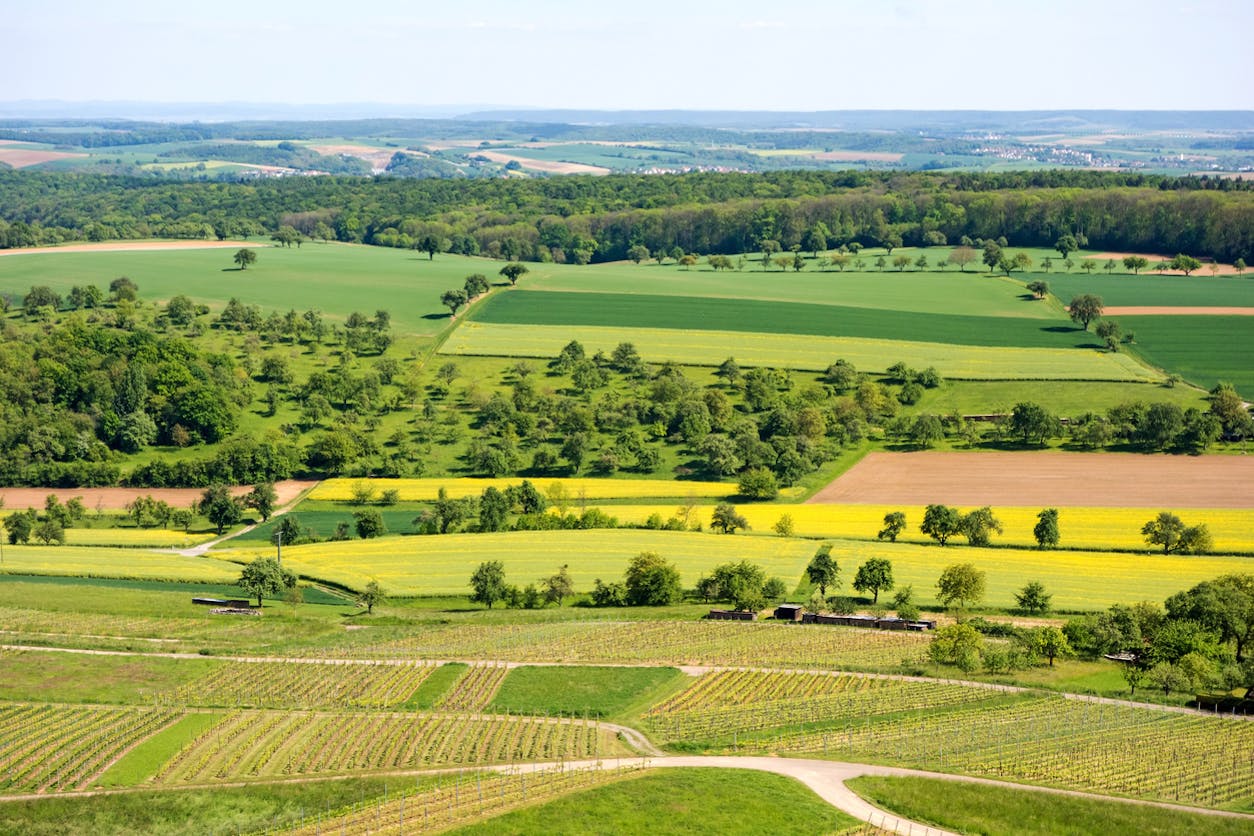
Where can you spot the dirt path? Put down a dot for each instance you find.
(131, 246)
(1167, 310)
(1111, 480)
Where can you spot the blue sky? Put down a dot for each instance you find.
(764, 55)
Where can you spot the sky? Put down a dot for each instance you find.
(639, 54)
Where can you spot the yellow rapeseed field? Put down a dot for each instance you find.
(423, 490)
(137, 564)
(146, 537)
(1080, 527)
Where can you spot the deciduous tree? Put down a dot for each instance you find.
(873, 575)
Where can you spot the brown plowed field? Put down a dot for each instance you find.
(113, 499)
(1154, 310)
(1114, 480)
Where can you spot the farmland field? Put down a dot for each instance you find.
(1107, 479)
(1204, 350)
(113, 563)
(1168, 291)
(795, 351)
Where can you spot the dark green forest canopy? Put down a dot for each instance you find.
(603, 217)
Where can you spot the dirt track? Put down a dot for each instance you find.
(1161, 310)
(1049, 478)
(113, 499)
(131, 246)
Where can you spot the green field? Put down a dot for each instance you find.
(583, 691)
(679, 802)
(794, 351)
(1198, 290)
(626, 310)
(1202, 349)
(974, 808)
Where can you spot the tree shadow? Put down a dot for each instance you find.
(232, 269)
(437, 316)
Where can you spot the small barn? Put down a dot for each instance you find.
(732, 615)
(789, 612)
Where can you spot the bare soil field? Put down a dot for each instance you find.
(377, 157)
(545, 165)
(131, 246)
(1204, 270)
(21, 156)
(1117, 480)
(1155, 310)
(114, 499)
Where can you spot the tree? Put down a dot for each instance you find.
(1170, 532)
(1066, 245)
(742, 584)
(369, 523)
(638, 253)
(180, 310)
(243, 258)
(476, 285)
(1224, 605)
(1135, 263)
(960, 582)
(894, 524)
(901, 262)
(1033, 599)
(558, 586)
(1050, 642)
(265, 577)
(514, 271)
(453, 299)
(823, 570)
(488, 583)
(651, 581)
(262, 499)
(1088, 265)
(1184, 263)
(1108, 331)
(784, 526)
(1033, 423)
(815, 238)
(978, 525)
(962, 256)
(956, 644)
(1239, 266)
(1039, 288)
(41, 296)
(1046, 529)
(493, 510)
(1085, 308)
(220, 508)
(1019, 261)
(20, 524)
(759, 483)
(992, 255)
(371, 596)
(940, 522)
(726, 519)
(874, 575)
(49, 531)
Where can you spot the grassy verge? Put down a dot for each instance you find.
(581, 690)
(678, 801)
(142, 762)
(972, 808)
(72, 677)
(434, 686)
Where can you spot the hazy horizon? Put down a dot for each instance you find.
(790, 55)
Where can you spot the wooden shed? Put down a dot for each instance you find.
(789, 612)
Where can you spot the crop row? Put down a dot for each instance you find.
(474, 689)
(48, 748)
(1069, 743)
(303, 685)
(887, 697)
(666, 642)
(456, 800)
(269, 743)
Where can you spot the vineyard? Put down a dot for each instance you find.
(50, 748)
(259, 744)
(721, 707)
(474, 689)
(1075, 744)
(666, 642)
(303, 685)
(456, 800)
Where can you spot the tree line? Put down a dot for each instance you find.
(602, 219)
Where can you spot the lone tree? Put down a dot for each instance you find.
(1109, 332)
(219, 507)
(651, 581)
(558, 586)
(1039, 288)
(1046, 529)
(940, 522)
(429, 244)
(265, 577)
(874, 575)
(894, 524)
(823, 570)
(453, 299)
(1033, 599)
(960, 582)
(262, 499)
(1170, 532)
(1085, 308)
(727, 519)
(371, 596)
(514, 271)
(488, 583)
(244, 257)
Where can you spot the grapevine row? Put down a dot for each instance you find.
(302, 685)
